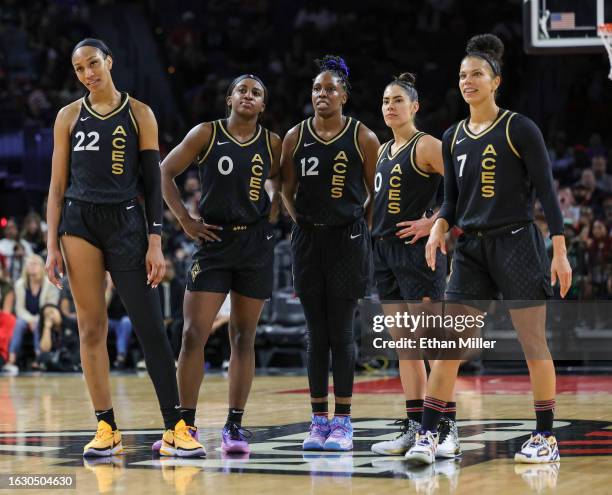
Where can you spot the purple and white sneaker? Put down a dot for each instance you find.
(341, 434)
(193, 431)
(319, 431)
(234, 439)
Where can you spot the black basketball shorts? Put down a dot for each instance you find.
(242, 262)
(511, 266)
(401, 272)
(118, 230)
(335, 261)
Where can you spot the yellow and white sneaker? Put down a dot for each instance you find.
(106, 442)
(180, 442)
(538, 449)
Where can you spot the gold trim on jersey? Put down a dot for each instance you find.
(297, 145)
(112, 113)
(335, 138)
(393, 156)
(508, 136)
(269, 147)
(459, 125)
(134, 121)
(412, 162)
(210, 143)
(247, 143)
(357, 141)
(487, 130)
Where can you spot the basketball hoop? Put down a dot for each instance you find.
(605, 33)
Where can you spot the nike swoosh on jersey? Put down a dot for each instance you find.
(83, 119)
(517, 231)
(308, 144)
(460, 140)
(269, 237)
(355, 236)
(130, 207)
(222, 142)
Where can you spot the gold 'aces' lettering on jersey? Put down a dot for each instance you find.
(487, 175)
(395, 190)
(256, 181)
(338, 178)
(117, 153)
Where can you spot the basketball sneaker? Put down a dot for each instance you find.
(106, 442)
(424, 448)
(448, 443)
(180, 442)
(193, 431)
(319, 431)
(340, 434)
(402, 443)
(541, 447)
(234, 439)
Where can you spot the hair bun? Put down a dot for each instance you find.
(333, 63)
(486, 43)
(407, 77)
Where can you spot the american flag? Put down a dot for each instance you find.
(562, 20)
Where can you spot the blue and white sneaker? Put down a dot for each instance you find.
(319, 431)
(540, 448)
(341, 434)
(424, 449)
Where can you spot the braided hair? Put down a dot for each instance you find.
(337, 66)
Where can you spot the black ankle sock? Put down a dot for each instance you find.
(234, 415)
(188, 415)
(319, 408)
(108, 416)
(432, 412)
(414, 410)
(171, 415)
(545, 414)
(450, 411)
(342, 410)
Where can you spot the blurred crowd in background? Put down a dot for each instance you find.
(201, 47)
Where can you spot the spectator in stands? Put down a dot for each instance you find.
(32, 291)
(118, 323)
(599, 259)
(562, 158)
(586, 192)
(599, 164)
(11, 239)
(32, 233)
(7, 319)
(59, 343)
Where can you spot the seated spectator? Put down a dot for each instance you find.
(599, 259)
(9, 246)
(7, 320)
(59, 342)
(32, 291)
(118, 323)
(586, 192)
(32, 233)
(599, 165)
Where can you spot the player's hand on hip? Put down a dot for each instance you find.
(414, 228)
(156, 265)
(436, 240)
(55, 266)
(561, 270)
(200, 231)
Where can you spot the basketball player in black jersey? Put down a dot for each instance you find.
(495, 163)
(408, 174)
(235, 157)
(103, 144)
(328, 165)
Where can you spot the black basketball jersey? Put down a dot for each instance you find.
(104, 155)
(331, 188)
(493, 186)
(232, 177)
(402, 190)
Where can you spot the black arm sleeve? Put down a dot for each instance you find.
(448, 210)
(529, 142)
(151, 177)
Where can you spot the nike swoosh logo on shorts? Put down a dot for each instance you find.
(129, 207)
(83, 119)
(222, 142)
(269, 237)
(308, 144)
(517, 230)
(460, 140)
(355, 236)
(156, 224)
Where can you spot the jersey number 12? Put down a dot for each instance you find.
(312, 170)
